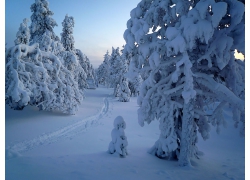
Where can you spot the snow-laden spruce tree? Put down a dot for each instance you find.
(41, 21)
(39, 78)
(83, 74)
(117, 89)
(42, 74)
(104, 71)
(67, 38)
(184, 51)
(96, 77)
(99, 74)
(119, 69)
(124, 91)
(136, 83)
(75, 66)
(90, 70)
(119, 141)
(23, 34)
(115, 62)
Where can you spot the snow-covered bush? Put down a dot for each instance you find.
(124, 93)
(23, 34)
(184, 52)
(119, 141)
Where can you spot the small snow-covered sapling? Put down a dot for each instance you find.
(119, 141)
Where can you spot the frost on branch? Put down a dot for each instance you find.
(119, 141)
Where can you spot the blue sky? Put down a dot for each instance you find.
(99, 24)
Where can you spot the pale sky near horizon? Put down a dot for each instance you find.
(99, 24)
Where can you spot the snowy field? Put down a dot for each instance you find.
(44, 145)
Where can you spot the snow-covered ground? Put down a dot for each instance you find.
(45, 145)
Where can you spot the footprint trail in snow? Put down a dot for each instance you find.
(65, 132)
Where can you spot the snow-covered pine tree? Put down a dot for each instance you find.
(124, 93)
(99, 74)
(23, 34)
(117, 89)
(104, 71)
(115, 64)
(96, 77)
(89, 68)
(38, 78)
(41, 21)
(118, 72)
(91, 77)
(184, 51)
(75, 67)
(119, 141)
(136, 83)
(67, 38)
(83, 75)
(41, 74)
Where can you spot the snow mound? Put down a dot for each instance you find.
(119, 141)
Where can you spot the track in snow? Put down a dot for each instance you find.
(65, 132)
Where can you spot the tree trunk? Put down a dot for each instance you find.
(186, 147)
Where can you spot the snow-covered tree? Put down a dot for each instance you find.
(96, 78)
(39, 78)
(83, 74)
(23, 34)
(41, 21)
(184, 52)
(136, 85)
(119, 141)
(124, 91)
(100, 75)
(44, 74)
(117, 89)
(104, 71)
(118, 71)
(91, 77)
(77, 68)
(67, 38)
(115, 62)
